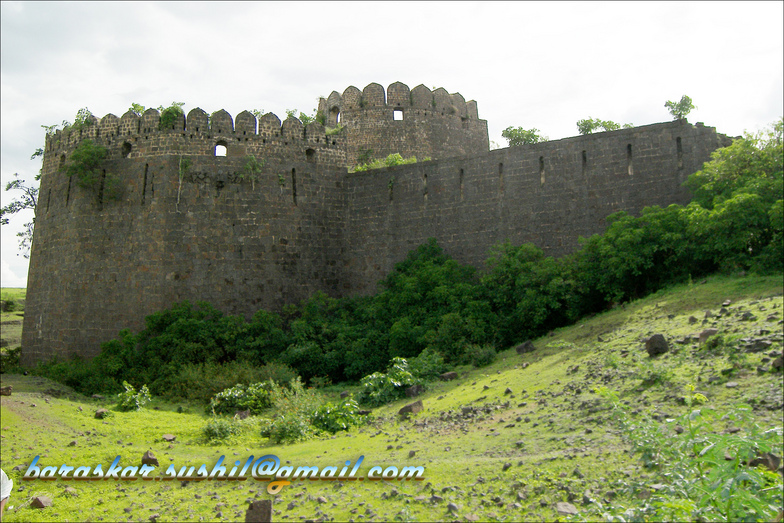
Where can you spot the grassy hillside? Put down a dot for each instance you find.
(505, 442)
(11, 316)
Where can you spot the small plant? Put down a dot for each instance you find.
(220, 429)
(252, 169)
(132, 400)
(85, 165)
(389, 161)
(479, 355)
(254, 397)
(334, 418)
(653, 374)
(379, 388)
(320, 382)
(428, 366)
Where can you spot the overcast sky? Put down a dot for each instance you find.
(535, 65)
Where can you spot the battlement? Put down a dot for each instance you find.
(199, 134)
(413, 122)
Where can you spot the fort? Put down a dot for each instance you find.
(306, 223)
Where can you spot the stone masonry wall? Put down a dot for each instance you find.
(100, 266)
(549, 194)
(430, 124)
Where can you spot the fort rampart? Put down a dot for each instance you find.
(306, 224)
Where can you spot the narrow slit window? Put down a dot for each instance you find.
(629, 166)
(679, 146)
(294, 186)
(584, 163)
(462, 174)
(541, 169)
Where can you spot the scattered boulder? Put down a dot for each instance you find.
(692, 320)
(448, 376)
(453, 508)
(656, 345)
(707, 333)
(41, 502)
(172, 437)
(241, 414)
(411, 408)
(414, 390)
(345, 394)
(778, 363)
(71, 491)
(411, 453)
(97, 397)
(6, 391)
(101, 413)
(566, 509)
(525, 347)
(149, 459)
(768, 459)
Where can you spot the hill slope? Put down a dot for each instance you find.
(505, 442)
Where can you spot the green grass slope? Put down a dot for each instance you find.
(507, 442)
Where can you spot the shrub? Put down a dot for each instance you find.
(379, 388)
(201, 382)
(254, 397)
(479, 355)
(428, 366)
(289, 427)
(333, 418)
(132, 400)
(220, 429)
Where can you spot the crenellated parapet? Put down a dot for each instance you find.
(413, 122)
(202, 135)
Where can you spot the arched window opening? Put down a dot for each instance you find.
(310, 155)
(220, 149)
(126, 149)
(334, 116)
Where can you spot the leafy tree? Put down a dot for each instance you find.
(252, 169)
(753, 163)
(589, 125)
(27, 200)
(519, 136)
(680, 109)
(137, 109)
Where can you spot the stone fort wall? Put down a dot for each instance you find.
(413, 122)
(306, 225)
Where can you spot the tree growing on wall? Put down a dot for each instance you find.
(519, 136)
(680, 109)
(589, 125)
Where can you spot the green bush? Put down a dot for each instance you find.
(333, 418)
(201, 382)
(289, 427)
(380, 388)
(428, 366)
(479, 355)
(254, 397)
(132, 400)
(220, 429)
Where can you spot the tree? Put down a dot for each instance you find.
(27, 200)
(519, 136)
(589, 125)
(681, 109)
